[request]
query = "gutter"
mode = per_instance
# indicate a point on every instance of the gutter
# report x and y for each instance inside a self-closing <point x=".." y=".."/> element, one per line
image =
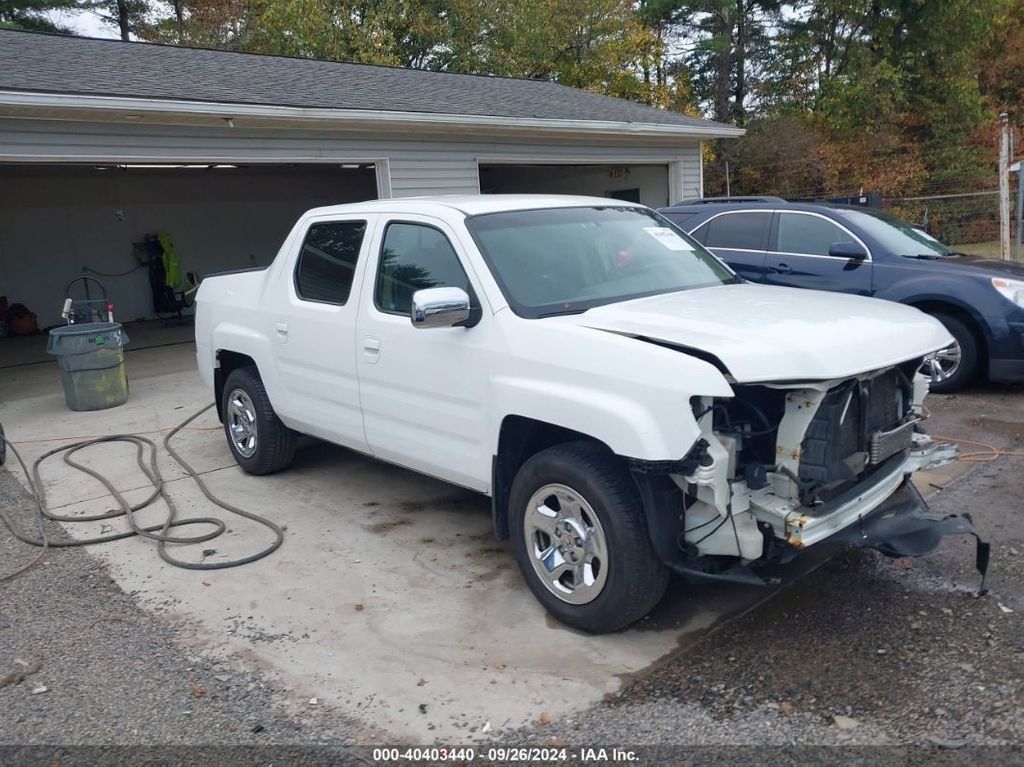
<point x="354" y="118"/>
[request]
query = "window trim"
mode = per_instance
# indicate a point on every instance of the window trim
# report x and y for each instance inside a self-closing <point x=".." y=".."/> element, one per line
<point x="474" y="303"/>
<point x="832" y="221"/>
<point x="359" y="256"/>
<point x="774" y="234"/>
<point x="765" y="239"/>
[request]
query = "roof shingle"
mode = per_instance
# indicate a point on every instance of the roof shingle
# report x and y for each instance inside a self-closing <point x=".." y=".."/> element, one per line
<point x="44" y="63"/>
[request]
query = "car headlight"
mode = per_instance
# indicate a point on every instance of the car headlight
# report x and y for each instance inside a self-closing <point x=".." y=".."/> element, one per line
<point x="1010" y="289"/>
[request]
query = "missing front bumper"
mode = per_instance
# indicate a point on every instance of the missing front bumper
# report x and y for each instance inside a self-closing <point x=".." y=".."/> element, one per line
<point x="902" y="527"/>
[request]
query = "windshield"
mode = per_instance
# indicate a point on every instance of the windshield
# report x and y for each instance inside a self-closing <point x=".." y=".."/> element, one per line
<point x="567" y="260"/>
<point x="898" y="237"/>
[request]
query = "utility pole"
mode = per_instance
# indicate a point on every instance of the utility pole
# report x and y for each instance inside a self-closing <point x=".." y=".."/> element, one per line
<point x="1020" y="209"/>
<point x="728" y="186"/>
<point x="1004" y="188"/>
<point x="1018" y="219"/>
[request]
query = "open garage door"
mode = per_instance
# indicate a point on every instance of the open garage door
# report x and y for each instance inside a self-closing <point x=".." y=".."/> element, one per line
<point x="644" y="183"/>
<point x="61" y="221"/>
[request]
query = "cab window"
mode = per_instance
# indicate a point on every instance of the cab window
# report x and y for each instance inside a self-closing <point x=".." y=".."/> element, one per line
<point x="327" y="261"/>
<point x="414" y="257"/>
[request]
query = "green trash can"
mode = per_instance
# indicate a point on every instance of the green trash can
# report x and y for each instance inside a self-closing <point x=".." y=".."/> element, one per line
<point x="91" y="359"/>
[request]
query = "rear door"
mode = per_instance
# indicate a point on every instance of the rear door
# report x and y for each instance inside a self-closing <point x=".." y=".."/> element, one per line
<point x="740" y="238"/>
<point x="313" y="330"/>
<point x="798" y="255"/>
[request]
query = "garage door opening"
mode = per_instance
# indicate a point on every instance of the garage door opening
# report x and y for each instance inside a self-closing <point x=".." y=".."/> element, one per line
<point x="644" y="183"/>
<point x="58" y="222"/>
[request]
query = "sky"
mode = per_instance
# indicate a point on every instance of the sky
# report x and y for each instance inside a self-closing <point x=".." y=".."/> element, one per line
<point x="85" y="23"/>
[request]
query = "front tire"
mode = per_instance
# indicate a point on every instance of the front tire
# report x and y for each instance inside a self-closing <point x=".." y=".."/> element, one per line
<point x="580" y="538"/>
<point x="953" y="368"/>
<point x="260" y="443"/>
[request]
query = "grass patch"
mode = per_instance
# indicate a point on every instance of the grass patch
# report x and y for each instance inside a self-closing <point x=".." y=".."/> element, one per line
<point x="983" y="249"/>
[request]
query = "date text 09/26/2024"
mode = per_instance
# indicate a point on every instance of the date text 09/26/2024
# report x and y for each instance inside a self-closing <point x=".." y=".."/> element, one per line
<point x="501" y="755"/>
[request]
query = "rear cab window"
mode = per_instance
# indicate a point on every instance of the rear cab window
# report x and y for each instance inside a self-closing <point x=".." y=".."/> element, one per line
<point x="327" y="261"/>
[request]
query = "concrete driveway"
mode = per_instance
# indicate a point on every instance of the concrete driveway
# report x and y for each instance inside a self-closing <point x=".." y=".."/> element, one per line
<point x="390" y="598"/>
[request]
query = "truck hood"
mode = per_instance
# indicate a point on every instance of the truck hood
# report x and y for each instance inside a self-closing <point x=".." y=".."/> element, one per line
<point x="762" y="333"/>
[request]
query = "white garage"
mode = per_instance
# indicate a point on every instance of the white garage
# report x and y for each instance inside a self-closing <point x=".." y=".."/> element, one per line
<point x="103" y="143"/>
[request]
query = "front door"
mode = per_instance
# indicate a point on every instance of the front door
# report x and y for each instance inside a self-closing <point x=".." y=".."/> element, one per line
<point x="423" y="390"/>
<point x="314" y="330"/>
<point x="799" y="255"/>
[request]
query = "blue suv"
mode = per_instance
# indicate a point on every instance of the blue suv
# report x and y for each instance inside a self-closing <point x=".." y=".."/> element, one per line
<point x="864" y="251"/>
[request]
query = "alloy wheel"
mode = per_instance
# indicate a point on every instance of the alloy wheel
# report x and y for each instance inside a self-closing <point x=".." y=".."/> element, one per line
<point x="566" y="544"/>
<point x="241" y="419"/>
<point x="944" y="364"/>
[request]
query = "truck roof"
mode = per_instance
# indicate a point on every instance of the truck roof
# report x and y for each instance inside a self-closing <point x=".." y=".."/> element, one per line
<point x="471" y="204"/>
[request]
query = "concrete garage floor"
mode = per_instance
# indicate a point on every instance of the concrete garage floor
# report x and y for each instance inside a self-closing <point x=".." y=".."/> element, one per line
<point x="390" y="593"/>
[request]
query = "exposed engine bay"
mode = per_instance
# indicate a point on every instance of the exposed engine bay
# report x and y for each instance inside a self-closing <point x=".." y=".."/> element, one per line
<point x="786" y="466"/>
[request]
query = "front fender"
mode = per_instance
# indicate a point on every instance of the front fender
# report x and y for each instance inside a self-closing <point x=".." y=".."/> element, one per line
<point x="649" y="431"/>
<point x="631" y="395"/>
<point x="964" y="296"/>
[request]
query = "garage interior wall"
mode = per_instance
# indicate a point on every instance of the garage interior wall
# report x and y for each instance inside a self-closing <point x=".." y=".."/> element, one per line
<point x="57" y="220"/>
<point x="650" y="181"/>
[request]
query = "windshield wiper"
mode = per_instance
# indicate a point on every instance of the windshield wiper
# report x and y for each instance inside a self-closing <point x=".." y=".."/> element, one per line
<point x="559" y="313"/>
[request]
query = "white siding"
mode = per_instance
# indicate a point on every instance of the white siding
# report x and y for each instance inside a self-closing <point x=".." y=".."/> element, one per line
<point x="425" y="164"/>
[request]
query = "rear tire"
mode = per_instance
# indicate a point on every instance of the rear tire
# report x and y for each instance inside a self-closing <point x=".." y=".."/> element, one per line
<point x="587" y="558"/>
<point x="968" y="367"/>
<point x="260" y="443"/>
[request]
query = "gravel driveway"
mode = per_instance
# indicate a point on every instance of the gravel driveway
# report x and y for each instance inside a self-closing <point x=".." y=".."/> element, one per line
<point x="865" y="650"/>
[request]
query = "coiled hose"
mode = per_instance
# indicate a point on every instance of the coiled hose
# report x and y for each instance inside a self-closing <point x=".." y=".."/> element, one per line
<point x="159" y="532"/>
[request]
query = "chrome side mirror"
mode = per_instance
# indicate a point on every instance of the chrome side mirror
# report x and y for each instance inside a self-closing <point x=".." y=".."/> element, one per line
<point x="439" y="307"/>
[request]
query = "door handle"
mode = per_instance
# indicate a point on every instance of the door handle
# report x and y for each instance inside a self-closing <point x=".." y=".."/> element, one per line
<point x="783" y="268"/>
<point x="371" y="348"/>
<point x="282" y="331"/>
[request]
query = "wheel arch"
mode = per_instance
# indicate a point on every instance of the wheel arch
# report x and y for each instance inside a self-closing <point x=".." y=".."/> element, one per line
<point x="519" y="438"/>
<point x="228" y="361"/>
<point x="941" y="305"/>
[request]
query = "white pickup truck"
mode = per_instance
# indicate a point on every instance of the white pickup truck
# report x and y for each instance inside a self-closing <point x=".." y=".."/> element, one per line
<point x="629" y="404"/>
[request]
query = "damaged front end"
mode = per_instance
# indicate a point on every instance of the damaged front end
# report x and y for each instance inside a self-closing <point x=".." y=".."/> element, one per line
<point x="782" y="467"/>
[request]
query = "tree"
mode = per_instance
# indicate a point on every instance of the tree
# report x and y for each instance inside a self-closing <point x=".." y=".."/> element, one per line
<point x="127" y="15"/>
<point x="224" y="24"/>
<point x="1002" y="75"/>
<point x="600" y="45"/>
<point x="394" y="32"/>
<point x="726" y="44"/>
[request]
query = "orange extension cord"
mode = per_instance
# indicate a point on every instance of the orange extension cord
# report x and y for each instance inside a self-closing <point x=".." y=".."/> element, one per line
<point x="989" y="453"/>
